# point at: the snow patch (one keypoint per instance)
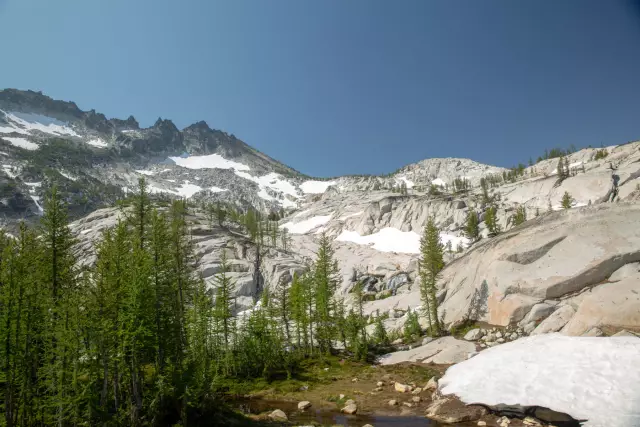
(307, 225)
(21, 142)
(409, 183)
(37, 122)
(33, 185)
(145, 172)
(438, 182)
(9, 170)
(274, 182)
(187, 190)
(66, 175)
(211, 161)
(215, 189)
(315, 187)
(588, 378)
(97, 143)
(388, 239)
(455, 240)
(36, 200)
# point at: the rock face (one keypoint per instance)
(444, 351)
(473, 335)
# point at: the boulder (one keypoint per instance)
(444, 350)
(610, 305)
(416, 399)
(401, 388)
(432, 384)
(278, 415)
(305, 404)
(393, 402)
(594, 332)
(538, 312)
(626, 271)
(453, 411)
(473, 335)
(416, 391)
(555, 321)
(350, 409)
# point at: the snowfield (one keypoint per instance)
(438, 182)
(274, 182)
(409, 183)
(211, 161)
(97, 143)
(595, 379)
(316, 187)
(21, 142)
(391, 239)
(306, 225)
(388, 239)
(26, 122)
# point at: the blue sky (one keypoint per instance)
(344, 86)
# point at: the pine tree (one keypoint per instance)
(325, 280)
(221, 214)
(412, 329)
(485, 192)
(566, 167)
(472, 228)
(224, 302)
(537, 212)
(491, 221)
(560, 169)
(380, 336)
(430, 264)
(520, 215)
(566, 200)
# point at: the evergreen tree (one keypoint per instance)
(472, 228)
(520, 215)
(325, 280)
(430, 264)
(412, 329)
(485, 192)
(380, 336)
(491, 221)
(567, 200)
(560, 169)
(221, 214)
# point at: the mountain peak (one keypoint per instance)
(199, 126)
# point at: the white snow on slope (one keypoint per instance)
(307, 225)
(144, 172)
(66, 175)
(316, 187)
(21, 142)
(97, 143)
(211, 161)
(187, 190)
(274, 182)
(409, 183)
(388, 239)
(597, 379)
(10, 171)
(215, 189)
(36, 200)
(391, 239)
(33, 185)
(30, 122)
(438, 182)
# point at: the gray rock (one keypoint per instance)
(490, 337)
(625, 333)
(473, 335)
(396, 281)
(538, 312)
(500, 340)
(555, 321)
(305, 404)
(626, 271)
(350, 409)
(444, 350)
(278, 415)
(593, 332)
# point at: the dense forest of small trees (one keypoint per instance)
(139, 338)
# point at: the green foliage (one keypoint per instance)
(491, 221)
(472, 227)
(566, 200)
(601, 154)
(380, 336)
(430, 264)
(461, 329)
(412, 329)
(520, 216)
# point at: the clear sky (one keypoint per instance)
(332, 87)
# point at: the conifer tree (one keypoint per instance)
(491, 221)
(380, 333)
(567, 200)
(221, 214)
(560, 169)
(472, 228)
(325, 280)
(430, 264)
(224, 302)
(520, 215)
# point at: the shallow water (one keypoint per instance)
(328, 417)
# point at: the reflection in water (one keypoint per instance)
(329, 417)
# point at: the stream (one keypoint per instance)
(328, 417)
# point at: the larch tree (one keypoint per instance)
(430, 264)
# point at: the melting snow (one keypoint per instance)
(9, 170)
(36, 200)
(409, 183)
(438, 182)
(274, 182)
(97, 143)
(215, 189)
(388, 239)
(391, 239)
(187, 190)
(306, 225)
(66, 175)
(144, 172)
(34, 185)
(316, 187)
(21, 142)
(37, 122)
(211, 161)
(588, 378)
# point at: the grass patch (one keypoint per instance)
(461, 330)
